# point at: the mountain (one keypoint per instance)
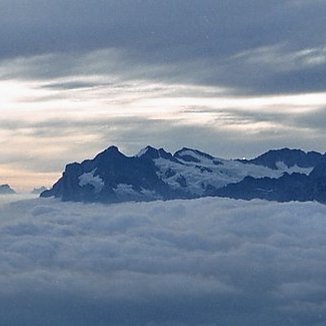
(6, 190)
(154, 174)
(113, 177)
(289, 187)
(274, 159)
(38, 191)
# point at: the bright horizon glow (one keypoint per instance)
(28, 97)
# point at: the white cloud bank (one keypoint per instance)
(199, 262)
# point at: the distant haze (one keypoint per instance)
(233, 78)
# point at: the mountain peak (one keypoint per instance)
(38, 191)
(154, 153)
(5, 189)
(112, 149)
(148, 150)
(192, 155)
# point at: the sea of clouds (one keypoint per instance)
(197, 262)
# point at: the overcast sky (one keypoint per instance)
(231, 77)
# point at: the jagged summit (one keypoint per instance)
(154, 153)
(109, 152)
(146, 151)
(192, 155)
(112, 149)
(155, 173)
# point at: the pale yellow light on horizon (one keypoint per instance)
(24, 181)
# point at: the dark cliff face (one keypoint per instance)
(286, 188)
(319, 171)
(318, 180)
(111, 169)
(152, 153)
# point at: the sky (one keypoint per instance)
(230, 77)
(155, 264)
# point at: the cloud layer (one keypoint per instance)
(198, 262)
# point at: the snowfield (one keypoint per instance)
(208, 261)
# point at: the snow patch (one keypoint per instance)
(198, 176)
(90, 179)
(293, 169)
(142, 152)
(125, 189)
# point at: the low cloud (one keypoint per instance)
(196, 262)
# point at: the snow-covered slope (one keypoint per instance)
(201, 173)
(156, 174)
